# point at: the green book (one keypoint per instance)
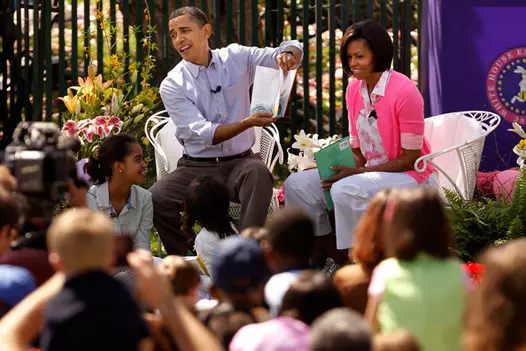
(337, 154)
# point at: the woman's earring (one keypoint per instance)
(120, 170)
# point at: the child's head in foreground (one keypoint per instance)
(10, 215)
(182, 275)
(290, 239)
(80, 240)
(340, 329)
(496, 313)
(416, 222)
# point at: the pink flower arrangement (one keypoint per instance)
(91, 132)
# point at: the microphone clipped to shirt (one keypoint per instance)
(373, 114)
(216, 90)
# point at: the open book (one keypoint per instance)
(271, 90)
(337, 154)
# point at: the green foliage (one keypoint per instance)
(115, 93)
(485, 221)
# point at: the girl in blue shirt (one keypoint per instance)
(115, 173)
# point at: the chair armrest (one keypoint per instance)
(279, 155)
(425, 159)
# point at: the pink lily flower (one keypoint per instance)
(71, 129)
(100, 120)
(115, 122)
(88, 133)
(103, 130)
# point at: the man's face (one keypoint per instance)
(190, 39)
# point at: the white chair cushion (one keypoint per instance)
(445, 131)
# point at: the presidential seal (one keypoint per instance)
(506, 85)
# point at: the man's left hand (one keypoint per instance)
(286, 61)
(343, 172)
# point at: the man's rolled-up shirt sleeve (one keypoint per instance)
(191, 125)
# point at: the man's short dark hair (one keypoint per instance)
(197, 14)
(340, 329)
(377, 39)
(291, 233)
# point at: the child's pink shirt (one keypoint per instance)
(400, 110)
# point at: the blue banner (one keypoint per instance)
(474, 58)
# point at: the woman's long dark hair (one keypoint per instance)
(114, 148)
(206, 203)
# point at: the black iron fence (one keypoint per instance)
(47, 44)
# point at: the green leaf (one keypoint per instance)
(137, 109)
(147, 101)
(138, 119)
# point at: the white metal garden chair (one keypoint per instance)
(457, 141)
(160, 131)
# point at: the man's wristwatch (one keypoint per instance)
(288, 52)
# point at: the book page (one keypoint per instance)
(286, 87)
(265, 91)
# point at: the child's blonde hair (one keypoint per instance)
(83, 240)
(398, 340)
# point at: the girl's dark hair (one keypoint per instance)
(206, 203)
(377, 39)
(417, 221)
(114, 148)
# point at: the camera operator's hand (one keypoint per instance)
(78, 196)
(6, 179)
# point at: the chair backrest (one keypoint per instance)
(160, 133)
(465, 132)
(160, 130)
(173, 150)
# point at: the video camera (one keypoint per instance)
(42, 161)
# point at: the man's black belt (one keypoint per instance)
(218, 159)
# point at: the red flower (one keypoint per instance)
(281, 195)
(475, 271)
